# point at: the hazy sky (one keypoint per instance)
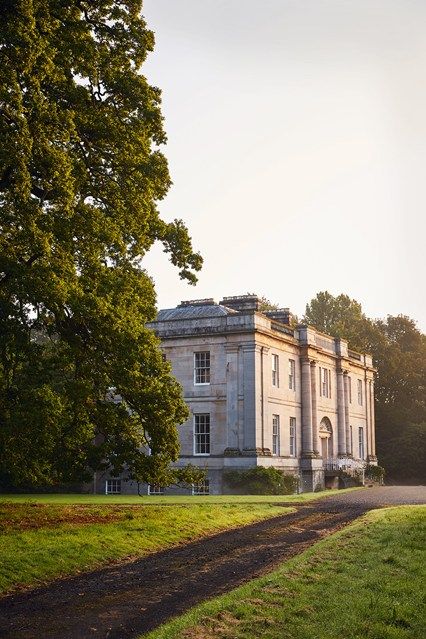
(296, 142)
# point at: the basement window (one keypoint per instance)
(155, 489)
(203, 488)
(113, 487)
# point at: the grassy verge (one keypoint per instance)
(43, 541)
(365, 582)
(168, 499)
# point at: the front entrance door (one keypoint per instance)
(326, 437)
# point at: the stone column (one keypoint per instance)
(240, 398)
(307, 449)
(314, 407)
(249, 404)
(347, 424)
(372, 421)
(265, 444)
(369, 429)
(232, 398)
(367, 419)
(341, 430)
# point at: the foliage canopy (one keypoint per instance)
(80, 177)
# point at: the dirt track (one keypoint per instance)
(126, 600)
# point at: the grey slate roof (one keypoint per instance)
(194, 312)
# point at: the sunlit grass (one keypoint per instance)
(41, 540)
(365, 582)
(167, 499)
(50, 535)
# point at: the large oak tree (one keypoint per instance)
(80, 177)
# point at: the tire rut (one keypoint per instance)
(126, 600)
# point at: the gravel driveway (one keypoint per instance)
(380, 496)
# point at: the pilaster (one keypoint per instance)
(250, 412)
(265, 383)
(341, 429)
(307, 446)
(232, 396)
(315, 443)
(372, 456)
(347, 421)
(367, 418)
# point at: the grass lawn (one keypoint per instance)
(43, 539)
(365, 582)
(168, 499)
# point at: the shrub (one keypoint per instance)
(261, 481)
(354, 478)
(375, 473)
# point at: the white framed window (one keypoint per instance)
(275, 371)
(203, 488)
(202, 368)
(155, 489)
(202, 434)
(361, 442)
(292, 436)
(325, 381)
(360, 392)
(350, 389)
(275, 434)
(292, 374)
(351, 443)
(113, 487)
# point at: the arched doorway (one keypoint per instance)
(326, 438)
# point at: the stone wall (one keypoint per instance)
(242, 400)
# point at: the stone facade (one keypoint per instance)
(262, 393)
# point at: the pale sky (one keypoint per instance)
(296, 144)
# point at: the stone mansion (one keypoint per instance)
(262, 393)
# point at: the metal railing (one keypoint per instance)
(344, 464)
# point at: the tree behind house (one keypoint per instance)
(399, 353)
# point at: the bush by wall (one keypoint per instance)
(375, 473)
(261, 481)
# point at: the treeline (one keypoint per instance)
(399, 353)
